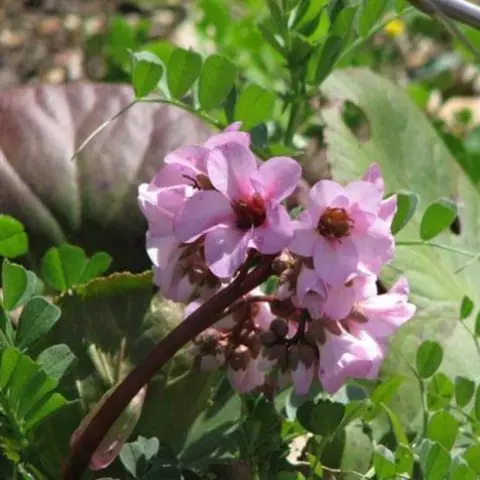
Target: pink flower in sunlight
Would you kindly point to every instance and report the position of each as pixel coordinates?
(342, 229)
(194, 156)
(345, 356)
(243, 212)
(380, 316)
(118, 434)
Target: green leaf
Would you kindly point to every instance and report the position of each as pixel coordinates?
(56, 360)
(442, 428)
(477, 325)
(466, 308)
(13, 239)
(329, 53)
(321, 418)
(26, 392)
(461, 471)
(183, 69)
(464, 390)
(217, 78)
(429, 358)
(406, 205)
(18, 285)
(437, 463)
(370, 14)
(437, 217)
(404, 460)
(135, 456)
(472, 457)
(477, 403)
(439, 391)
(254, 106)
(400, 5)
(397, 426)
(96, 266)
(383, 394)
(36, 319)
(147, 72)
(384, 462)
(395, 142)
(62, 267)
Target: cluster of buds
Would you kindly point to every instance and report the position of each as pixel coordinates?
(213, 208)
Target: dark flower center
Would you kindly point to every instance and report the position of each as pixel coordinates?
(334, 223)
(250, 213)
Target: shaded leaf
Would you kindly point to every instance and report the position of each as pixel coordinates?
(18, 285)
(13, 239)
(437, 217)
(439, 391)
(464, 390)
(322, 417)
(56, 360)
(36, 319)
(384, 462)
(254, 106)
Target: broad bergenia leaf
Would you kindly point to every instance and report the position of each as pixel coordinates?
(412, 157)
(90, 201)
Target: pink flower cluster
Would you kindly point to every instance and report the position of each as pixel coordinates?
(214, 210)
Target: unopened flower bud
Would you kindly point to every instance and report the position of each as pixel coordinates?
(277, 353)
(240, 357)
(308, 354)
(268, 339)
(253, 343)
(279, 327)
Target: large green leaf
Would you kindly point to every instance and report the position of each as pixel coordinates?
(114, 316)
(412, 157)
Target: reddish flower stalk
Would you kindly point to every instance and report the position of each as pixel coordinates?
(86, 444)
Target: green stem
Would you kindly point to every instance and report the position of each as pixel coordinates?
(292, 122)
(421, 243)
(378, 28)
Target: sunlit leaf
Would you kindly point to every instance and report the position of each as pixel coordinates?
(13, 239)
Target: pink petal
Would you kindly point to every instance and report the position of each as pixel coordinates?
(245, 381)
(225, 250)
(309, 280)
(365, 194)
(205, 210)
(160, 249)
(230, 169)
(173, 175)
(279, 177)
(233, 127)
(275, 234)
(303, 241)
(388, 208)
(229, 135)
(190, 156)
(401, 286)
(374, 175)
(339, 301)
(160, 205)
(302, 378)
(321, 195)
(335, 261)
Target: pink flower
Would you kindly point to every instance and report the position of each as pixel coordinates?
(243, 212)
(194, 156)
(382, 315)
(343, 231)
(345, 356)
(331, 302)
(246, 379)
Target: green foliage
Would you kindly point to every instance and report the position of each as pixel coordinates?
(217, 78)
(406, 206)
(19, 285)
(146, 72)
(13, 239)
(27, 398)
(437, 217)
(66, 266)
(254, 106)
(464, 390)
(183, 70)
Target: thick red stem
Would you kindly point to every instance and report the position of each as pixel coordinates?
(86, 444)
